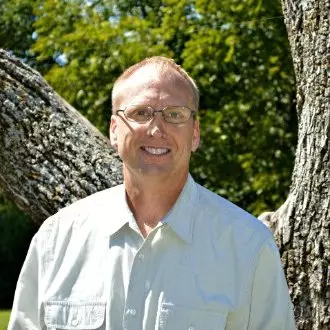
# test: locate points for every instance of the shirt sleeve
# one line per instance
(25, 311)
(271, 306)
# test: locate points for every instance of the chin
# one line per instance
(157, 170)
(153, 170)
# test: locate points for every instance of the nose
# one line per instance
(156, 126)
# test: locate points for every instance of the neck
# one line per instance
(151, 197)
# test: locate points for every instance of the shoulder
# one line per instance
(77, 214)
(99, 199)
(225, 219)
(227, 241)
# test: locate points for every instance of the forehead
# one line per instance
(150, 83)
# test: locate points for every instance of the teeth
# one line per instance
(156, 151)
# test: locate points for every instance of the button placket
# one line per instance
(136, 288)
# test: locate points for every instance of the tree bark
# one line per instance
(302, 223)
(50, 155)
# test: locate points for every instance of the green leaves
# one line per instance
(16, 19)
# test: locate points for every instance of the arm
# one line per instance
(271, 307)
(25, 311)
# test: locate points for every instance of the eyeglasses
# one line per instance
(144, 113)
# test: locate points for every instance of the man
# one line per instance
(159, 251)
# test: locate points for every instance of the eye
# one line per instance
(141, 112)
(138, 113)
(174, 114)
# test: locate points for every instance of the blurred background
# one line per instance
(236, 50)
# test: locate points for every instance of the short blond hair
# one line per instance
(163, 65)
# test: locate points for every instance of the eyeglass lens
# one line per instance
(171, 114)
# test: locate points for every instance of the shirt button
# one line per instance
(74, 322)
(131, 312)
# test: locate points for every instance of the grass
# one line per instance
(4, 318)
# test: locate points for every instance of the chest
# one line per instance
(159, 283)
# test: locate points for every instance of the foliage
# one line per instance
(16, 27)
(237, 51)
(241, 61)
(15, 234)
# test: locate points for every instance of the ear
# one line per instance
(196, 136)
(113, 132)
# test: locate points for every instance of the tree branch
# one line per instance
(50, 155)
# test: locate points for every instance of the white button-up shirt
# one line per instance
(207, 265)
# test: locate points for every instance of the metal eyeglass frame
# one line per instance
(192, 113)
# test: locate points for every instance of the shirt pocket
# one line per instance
(182, 318)
(71, 315)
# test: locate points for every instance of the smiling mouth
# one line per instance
(156, 151)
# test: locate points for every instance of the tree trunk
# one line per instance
(302, 223)
(50, 155)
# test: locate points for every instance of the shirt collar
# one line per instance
(180, 218)
(113, 210)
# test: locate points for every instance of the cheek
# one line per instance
(121, 137)
(128, 136)
(185, 142)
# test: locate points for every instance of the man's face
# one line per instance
(155, 147)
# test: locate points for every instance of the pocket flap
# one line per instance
(179, 317)
(71, 315)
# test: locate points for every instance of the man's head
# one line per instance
(164, 67)
(155, 146)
